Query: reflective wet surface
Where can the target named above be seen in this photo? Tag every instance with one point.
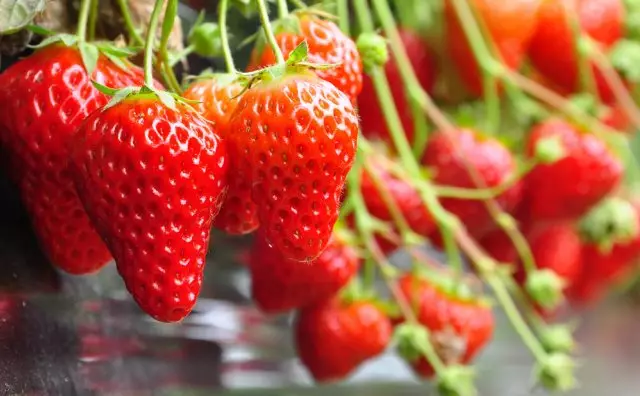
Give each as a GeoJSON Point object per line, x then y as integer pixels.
{"type": "Point", "coordinates": [66, 335]}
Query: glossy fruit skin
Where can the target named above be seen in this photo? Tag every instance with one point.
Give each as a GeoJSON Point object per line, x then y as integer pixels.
{"type": "Point", "coordinates": [279, 285]}
{"type": "Point", "coordinates": [450, 156]}
{"type": "Point", "coordinates": [406, 198]}
{"type": "Point", "coordinates": [327, 45]}
{"type": "Point", "coordinates": [569, 187]}
{"type": "Point", "coordinates": [510, 24]}
{"type": "Point", "coordinates": [424, 64]}
{"type": "Point", "coordinates": [297, 138]}
{"type": "Point", "coordinates": [552, 50]}
{"type": "Point", "coordinates": [334, 338]}
{"type": "Point", "coordinates": [152, 179]}
{"type": "Point", "coordinates": [218, 100]}
{"type": "Point", "coordinates": [45, 98]}
{"type": "Point", "coordinates": [459, 328]}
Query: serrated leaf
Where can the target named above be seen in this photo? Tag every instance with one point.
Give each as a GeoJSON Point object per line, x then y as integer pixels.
{"type": "Point", "coordinates": [169, 20]}
{"type": "Point", "coordinates": [166, 98]}
{"type": "Point", "coordinates": [16, 14]}
{"type": "Point", "coordinates": [90, 55]}
{"type": "Point", "coordinates": [299, 54]}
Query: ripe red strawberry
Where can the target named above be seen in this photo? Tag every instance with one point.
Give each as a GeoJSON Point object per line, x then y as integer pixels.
{"type": "Point", "coordinates": [279, 285]}
{"type": "Point", "coordinates": [553, 48]}
{"type": "Point", "coordinates": [335, 337]}
{"type": "Point", "coordinates": [459, 326]}
{"type": "Point", "coordinates": [603, 268]}
{"type": "Point", "coordinates": [152, 179]}
{"type": "Point", "coordinates": [405, 196]}
{"type": "Point", "coordinates": [510, 26]}
{"type": "Point", "coordinates": [557, 247]}
{"type": "Point", "coordinates": [327, 45]}
{"type": "Point", "coordinates": [218, 99]}
{"type": "Point", "coordinates": [424, 64]}
{"type": "Point", "coordinates": [45, 97]}
{"type": "Point", "coordinates": [454, 157]}
{"type": "Point", "coordinates": [616, 117]}
{"type": "Point", "coordinates": [570, 186]}
{"type": "Point", "coordinates": [297, 140]}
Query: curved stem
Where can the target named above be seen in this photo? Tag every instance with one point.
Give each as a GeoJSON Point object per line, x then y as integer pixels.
{"type": "Point", "coordinates": [226, 49]}
{"type": "Point", "coordinates": [134, 35]}
{"type": "Point", "coordinates": [83, 19]}
{"type": "Point", "coordinates": [364, 17]}
{"type": "Point", "coordinates": [93, 18]}
{"type": "Point", "coordinates": [150, 42]}
{"type": "Point", "coordinates": [268, 31]}
{"type": "Point", "coordinates": [342, 9]}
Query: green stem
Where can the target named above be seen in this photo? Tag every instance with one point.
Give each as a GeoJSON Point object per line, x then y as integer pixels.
{"type": "Point", "coordinates": [134, 35]}
{"type": "Point", "coordinates": [93, 18]}
{"type": "Point", "coordinates": [83, 20]}
{"type": "Point", "coordinates": [343, 16]}
{"type": "Point", "coordinates": [420, 128]}
{"type": "Point", "coordinates": [226, 49]}
{"type": "Point", "coordinates": [492, 103]}
{"type": "Point", "coordinates": [364, 16]}
{"type": "Point", "coordinates": [587, 80]}
{"type": "Point", "coordinates": [283, 9]}
{"type": "Point", "coordinates": [176, 58]}
{"type": "Point", "coordinates": [268, 31]}
{"type": "Point", "coordinates": [298, 3]}
{"type": "Point", "coordinates": [150, 42]}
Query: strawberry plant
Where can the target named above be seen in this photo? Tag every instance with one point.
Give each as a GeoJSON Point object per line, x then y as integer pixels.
{"type": "Point", "coordinates": [500, 134]}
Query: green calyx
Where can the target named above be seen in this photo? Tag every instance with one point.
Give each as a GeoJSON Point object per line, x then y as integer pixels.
{"type": "Point", "coordinates": [545, 287]}
{"type": "Point", "coordinates": [613, 221]}
{"type": "Point", "coordinates": [549, 150]}
{"type": "Point", "coordinates": [411, 341]}
{"type": "Point", "coordinates": [556, 372]}
{"type": "Point", "coordinates": [169, 99]}
{"type": "Point", "coordinates": [557, 338]}
{"type": "Point", "coordinates": [457, 380]}
{"type": "Point", "coordinates": [373, 50]}
{"type": "Point", "coordinates": [625, 57]}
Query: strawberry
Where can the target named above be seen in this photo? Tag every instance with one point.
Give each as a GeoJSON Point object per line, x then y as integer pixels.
{"type": "Point", "coordinates": [218, 99]}
{"type": "Point", "coordinates": [509, 25]}
{"type": "Point", "coordinates": [152, 178]}
{"type": "Point", "coordinates": [553, 47]}
{"type": "Point", "coordinates": [45, 98]}
{"type": "Point", "coordinates": [333, 338]}
{"type": "Point", "coordinates": [279, 285]}
{"type": "Point", "coordinates": [424, 64]}
{"type": "Point", "coordinates": [615, 116]}
{"type": "Point", "coordinates": [605, 265]}
{"type": "Point", "coordinates": [297, 138]}
{"type": "Point", "coordinates": [567, 188]}
{"type": "Point", "coordinates": [406, 198]}
{"type": "Point", "coordinates": [455, 157]}
{"type": "Point", "coordinates": [327, 45]}
{"type": "Point", "coordinates": [459, 325]}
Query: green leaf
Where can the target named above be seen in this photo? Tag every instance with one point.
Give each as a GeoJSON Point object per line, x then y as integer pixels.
{"type": "Point", "coordinates": [39, 30]}
{"type": "Point", "coordinates": [16, 14]}
{"type": "Point", "coordinates": [118, 61]}
{"type": "Point", "coordinates": [166, 98]}
{"type": "Point", "coordinates": [67, 39]}
{"type": "Point", "coordinates": [104, 89]}
{"type": "Point", "coordinates": [120, 95]}
{"type": "Point", "coordinates": [90, 55]}
{"type": "Point", "coordinates": [122, 52]}
{"type": "Point", "coordinates": [299, 54]}
{"type": "Point", "coordinates": [169, 19]}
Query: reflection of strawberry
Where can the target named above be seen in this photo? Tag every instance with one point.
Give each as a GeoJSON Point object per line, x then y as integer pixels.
{"type": "Point", "coordinates": [327, 45]}
{"type": "Point", "coordinates": [553, 48]}
{"type": "Point", "coordinates": [459, 326]}
{"type": "Point", "coordinates": [569, 187]}
{"type": "Point", "coordinates": [424, 64]}
{"type": "Point", "coordinates": [510, 25]}
{"type": "Point", "coordinates": [335, 337]}
{"type": "Point", "coordinates": [279, 285]}
{"type": "Point", "coordinates": [152, 179]}
{"type": "Point", "coordinates": [451, 156]}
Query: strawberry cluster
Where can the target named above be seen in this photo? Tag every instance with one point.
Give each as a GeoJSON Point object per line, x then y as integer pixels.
{"type": "Point", "coordinates": [492, 135]}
